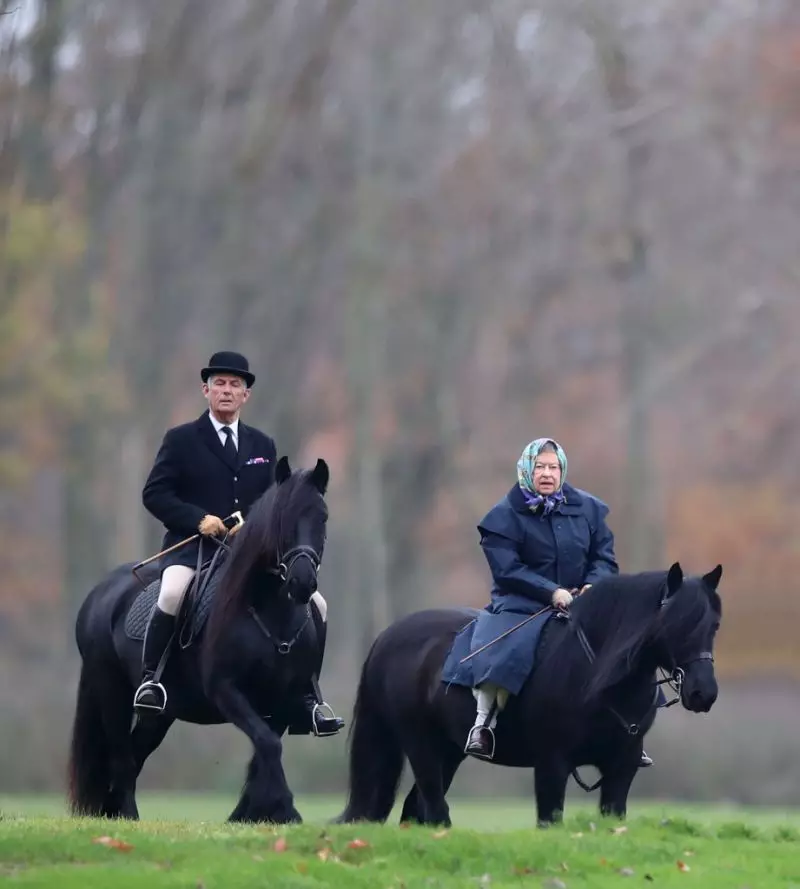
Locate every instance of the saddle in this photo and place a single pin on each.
(194, 610)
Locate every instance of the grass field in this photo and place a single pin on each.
(183, 842)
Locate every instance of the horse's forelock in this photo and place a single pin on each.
(687, 617)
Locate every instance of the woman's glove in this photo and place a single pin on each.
(562, 598)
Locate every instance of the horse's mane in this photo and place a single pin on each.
(257, 548)
(620, 615)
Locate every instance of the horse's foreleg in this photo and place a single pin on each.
(241, 811)
(616, 784)
(550, 786)
(266, 796)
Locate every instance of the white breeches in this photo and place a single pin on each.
(322, 605)
(486, 695)
(175, 580)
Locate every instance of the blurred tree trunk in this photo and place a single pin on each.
(640, 547)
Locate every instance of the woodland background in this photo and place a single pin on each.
(438, 230)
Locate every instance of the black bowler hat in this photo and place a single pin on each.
(228, 363)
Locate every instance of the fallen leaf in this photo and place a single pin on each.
(280, 845)
(358, 844)
(302, 867)
(112, 843)
(682, 865)
(603, 861)
(688, 853)
(576, 836)
(258, 858)
(440, 834)
(485, 880)
(564, 865)
(618, 830)
(522, 871)
(405, 825)
(626, 871)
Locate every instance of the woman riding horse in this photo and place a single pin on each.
(545, 542)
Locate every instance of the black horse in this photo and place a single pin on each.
(261, 647)
(590, 699)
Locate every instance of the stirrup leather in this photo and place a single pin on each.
(472, 731)
(320, 708)
(143, 687)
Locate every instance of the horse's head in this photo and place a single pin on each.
(691, 611)
(302, 518)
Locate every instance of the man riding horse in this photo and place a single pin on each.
(545, 542)
(205, 470)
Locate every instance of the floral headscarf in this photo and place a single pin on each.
(525, 475)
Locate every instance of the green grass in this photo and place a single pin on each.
(183, 841)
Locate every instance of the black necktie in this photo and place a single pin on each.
(230, 447)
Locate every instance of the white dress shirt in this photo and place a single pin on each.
(218, 426)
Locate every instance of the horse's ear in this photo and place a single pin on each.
(282, 471)
(713, 577)
(674, 579)
(320, 476)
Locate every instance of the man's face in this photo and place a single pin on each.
(225, 394)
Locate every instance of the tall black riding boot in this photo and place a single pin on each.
(152, 695)
(314, 716)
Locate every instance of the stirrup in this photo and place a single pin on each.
(318, 708)
(475, 728)
(148, 684)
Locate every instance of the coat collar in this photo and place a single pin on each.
(210, 438)
(571, 505)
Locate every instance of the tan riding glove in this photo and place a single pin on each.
(211, 524)
(562, 598)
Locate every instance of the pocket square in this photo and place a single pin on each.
(254, 460)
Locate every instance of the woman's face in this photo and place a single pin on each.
(546, 473)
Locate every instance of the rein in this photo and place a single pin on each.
(674, 680)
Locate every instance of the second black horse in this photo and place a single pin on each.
(590, 700)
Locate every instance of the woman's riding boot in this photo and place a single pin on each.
(480, 741)
(152, 695)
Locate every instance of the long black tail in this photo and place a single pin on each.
(376, 758)
(89, 763)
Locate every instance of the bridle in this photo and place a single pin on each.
(674, 680)
(285, 564)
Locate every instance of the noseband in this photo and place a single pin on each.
(288, 560)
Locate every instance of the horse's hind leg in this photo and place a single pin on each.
(117, 711)
(429, 767)
(412, 805)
